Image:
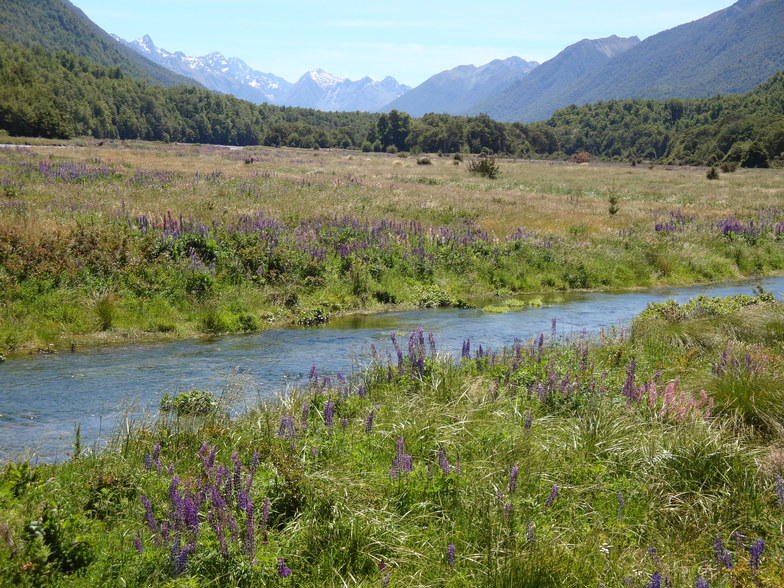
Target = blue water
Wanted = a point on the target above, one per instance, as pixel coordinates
(43, 398)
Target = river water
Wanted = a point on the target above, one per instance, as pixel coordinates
(44, 397)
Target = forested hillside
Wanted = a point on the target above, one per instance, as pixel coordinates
(58, 25)
(700, 131)
(60, 95)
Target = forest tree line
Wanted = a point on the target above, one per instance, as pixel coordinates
(60, 95)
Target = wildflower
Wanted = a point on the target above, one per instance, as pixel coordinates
(305, 415)
(283, 570)
(756, 554)
(701, 583)
(150, 518)
(286, 428)
(443, 462)
(529, 418)
(655, 580)
(513, 479)
(137, 543)
(329, 412)
(369, 423)
(402, 464)
(451, 557)
(552, 496)
(723, 557)
(530, 531)
(250, 534)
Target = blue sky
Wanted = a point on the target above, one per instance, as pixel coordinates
(409, 40)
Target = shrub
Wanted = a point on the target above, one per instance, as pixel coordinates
(712, 174)
(613, 201)
(423, 161)
(484, 166)
(582, 157)
(729, 166)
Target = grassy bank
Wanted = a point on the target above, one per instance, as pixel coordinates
(648, 457)
(126, 242)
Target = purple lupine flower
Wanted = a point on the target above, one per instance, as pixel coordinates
(305, 415)
(190, 515)
(451, 556)
(701, 583)
(402, 463)
(385, 580)
(529, 418)
(362, 391)
(286, 428)
(147, 461)
(629, 389)
(137, 543)
(443, 462)
(283, 570)
(369, 423)
(250, 531)
(150, 518)
(552, 496)
(329, 412)
(654, 556)
(756, 554)
(722, 555)
(466, 352)
(398, 352)
(530, 531)
(655, 580)
(513, 479)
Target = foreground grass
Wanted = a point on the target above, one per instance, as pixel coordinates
(636, 459)
(131, 241)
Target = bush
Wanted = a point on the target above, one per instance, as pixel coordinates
(484, 166)
(712, 174)
(582, 157)
(729, 166)
(423, 161)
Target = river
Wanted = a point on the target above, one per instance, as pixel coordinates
(44, 397)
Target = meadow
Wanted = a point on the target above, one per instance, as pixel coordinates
(649, 455)
(130, 241)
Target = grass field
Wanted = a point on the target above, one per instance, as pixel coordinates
(647, 457)
(135, 241)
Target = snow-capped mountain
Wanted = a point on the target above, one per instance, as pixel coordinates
(323, 91)
(216, 72)
(315, 89)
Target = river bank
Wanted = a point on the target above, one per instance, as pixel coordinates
(646, 454)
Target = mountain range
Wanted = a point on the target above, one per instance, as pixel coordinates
(455, 90)
(315, 89)
(729, 51)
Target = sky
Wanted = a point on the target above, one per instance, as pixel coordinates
(409, 40)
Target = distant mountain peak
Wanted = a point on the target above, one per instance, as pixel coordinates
(315, 88)
(454, 90)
